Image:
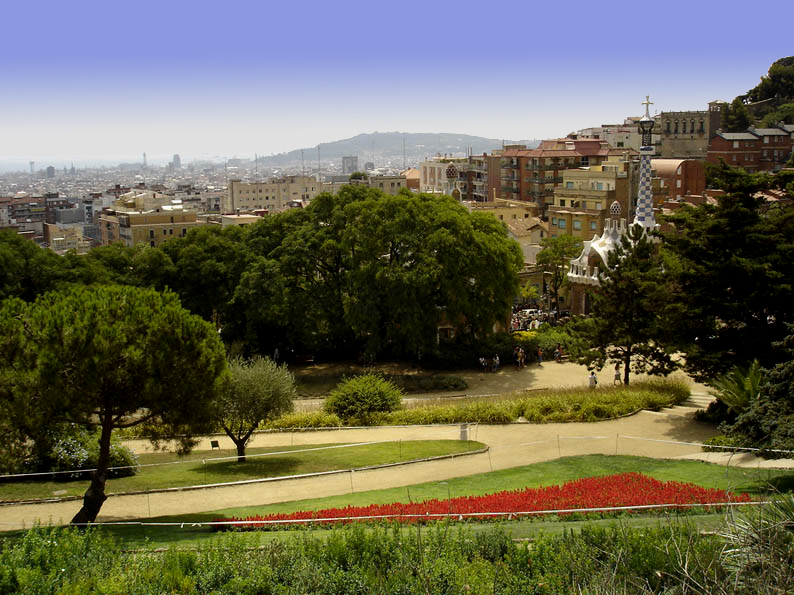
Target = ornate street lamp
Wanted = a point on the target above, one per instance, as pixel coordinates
(643, 213)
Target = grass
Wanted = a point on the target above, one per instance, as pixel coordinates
(754, 481)
(198, 469)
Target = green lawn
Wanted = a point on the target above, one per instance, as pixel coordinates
(197, 469)
(757, 482)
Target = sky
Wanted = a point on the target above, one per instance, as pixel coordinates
(109, 80)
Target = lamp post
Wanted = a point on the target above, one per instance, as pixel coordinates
(643, 213)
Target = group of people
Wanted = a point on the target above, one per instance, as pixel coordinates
(492, 364)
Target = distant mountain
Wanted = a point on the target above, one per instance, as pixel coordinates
(386, 148)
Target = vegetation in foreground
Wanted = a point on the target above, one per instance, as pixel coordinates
(752, 555)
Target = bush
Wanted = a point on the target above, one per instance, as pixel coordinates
(76, 448)
(359, 397)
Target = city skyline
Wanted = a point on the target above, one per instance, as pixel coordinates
(106, 82)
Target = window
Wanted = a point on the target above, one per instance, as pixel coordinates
(151, 233)
(592, 226)
(675, 128)
(692, 127)
(577, 224)
(678, 183)
(735, 145)
(554, 220)
(734, 157)
(184, 231)
(151, 243)
(171, 231)
(766, 140)
(561, 223)
(562, 202)
(165, 231)
(569, 185)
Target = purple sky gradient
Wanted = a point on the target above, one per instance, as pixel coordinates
(112, 79)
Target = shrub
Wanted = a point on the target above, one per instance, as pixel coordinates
(359, 397)
(76, 448)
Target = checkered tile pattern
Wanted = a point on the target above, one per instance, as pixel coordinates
(644, 211)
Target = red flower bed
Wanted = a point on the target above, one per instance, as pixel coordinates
(625, 489)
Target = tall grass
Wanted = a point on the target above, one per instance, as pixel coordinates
(550, 406)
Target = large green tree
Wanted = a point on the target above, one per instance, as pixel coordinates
(732, 267)
(554, 257)
(363, 272)
(257, 390)
(626, 325)
(108, 357)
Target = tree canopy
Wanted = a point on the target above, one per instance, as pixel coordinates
(735, 117)
(256, 390)
(554, 257)
(778, 83)
(732, 267)
(108, 357)
(365, 272)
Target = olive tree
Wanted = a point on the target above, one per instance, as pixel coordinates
(257, 389)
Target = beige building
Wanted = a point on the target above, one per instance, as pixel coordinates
(152, 227)
(273, 194)
(685, 135)
(583, 199)
(388, 184)
(62, 239)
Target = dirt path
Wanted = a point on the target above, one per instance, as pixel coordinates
(650, 434)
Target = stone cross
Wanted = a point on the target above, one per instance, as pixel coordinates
(647, 103)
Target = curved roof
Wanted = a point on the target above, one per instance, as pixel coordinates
(666, 167)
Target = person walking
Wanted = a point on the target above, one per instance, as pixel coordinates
(617, 379)
(496, 363)
(540, 356)
(593, 379)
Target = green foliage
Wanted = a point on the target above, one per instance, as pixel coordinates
(359, 397)
(626, 325)
(366, 273)
(554, 257)
(768, 420)
(784, 114)
(108, 357)
(571, 405)
(778, 84)
(257, 390)
(731, 268)
(735, 117)
(75, 447)
(27, 270)
(739, 387)
(753, 556)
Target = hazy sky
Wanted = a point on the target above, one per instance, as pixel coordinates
(113, 78)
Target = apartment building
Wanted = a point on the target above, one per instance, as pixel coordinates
(152, 227)
(585, 195)
(273, 194)
(756, 149)
(476, 178)
(673, 179)
(532, 175)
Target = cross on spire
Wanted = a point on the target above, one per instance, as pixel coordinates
(647, 103)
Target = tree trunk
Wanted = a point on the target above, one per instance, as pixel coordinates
(95, 494)
(626, 368)
(240, 444)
